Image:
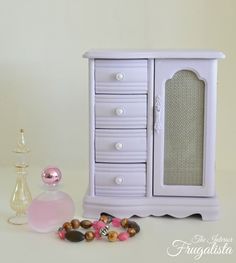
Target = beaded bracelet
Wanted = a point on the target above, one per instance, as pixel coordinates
(101, 229)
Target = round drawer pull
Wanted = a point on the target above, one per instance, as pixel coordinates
(119, 111)
(119, 180)
(119, 146)
(119, 76)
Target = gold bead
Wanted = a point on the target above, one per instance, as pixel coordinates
(124, 222)
(75, 223)
(86, 224)
(67, 226)
(131, 231)
(89, 236)
(112, 236)
(104, 219)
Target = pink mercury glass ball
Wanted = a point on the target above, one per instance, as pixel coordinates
(51, 175)
(52, 208)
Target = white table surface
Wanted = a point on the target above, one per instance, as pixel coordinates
(20, 244)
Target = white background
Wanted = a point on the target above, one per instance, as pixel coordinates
(44, 89)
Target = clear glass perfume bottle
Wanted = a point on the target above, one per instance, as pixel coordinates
(51, 208)
(21, 196)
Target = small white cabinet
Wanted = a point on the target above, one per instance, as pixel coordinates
(152, 133)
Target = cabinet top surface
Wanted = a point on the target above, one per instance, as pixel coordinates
(146, 54)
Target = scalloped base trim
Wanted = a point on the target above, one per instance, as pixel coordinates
(179, 207)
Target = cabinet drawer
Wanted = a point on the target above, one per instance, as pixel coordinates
(121, 146)
(120, 179)
(121, 76)
(121, 111)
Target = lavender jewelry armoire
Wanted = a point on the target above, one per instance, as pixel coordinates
(152, 133)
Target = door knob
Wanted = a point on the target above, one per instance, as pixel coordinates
(119, 180)
(119, 111)
(118, 146)
(119, 76)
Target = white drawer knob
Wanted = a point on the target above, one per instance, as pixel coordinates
(118, 146)
(119, 76)
(119, 180)
(119, 111)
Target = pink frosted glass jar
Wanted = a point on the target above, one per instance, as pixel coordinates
(51, 208)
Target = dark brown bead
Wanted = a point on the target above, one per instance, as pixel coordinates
(74, 236)
(89, 236)
(86, 224)
(75, 223)
(132, 224)
(67, 226)
(131, 231)
(124, 222)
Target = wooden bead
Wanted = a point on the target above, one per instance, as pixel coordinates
(124, 222)
(75, 223)
(89, 236)
(112, 236)
(131, 231)
(86, 224)
(67, 226)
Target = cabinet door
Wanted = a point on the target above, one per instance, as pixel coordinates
(184, 127)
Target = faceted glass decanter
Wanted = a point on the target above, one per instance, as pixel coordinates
(21, 196)
(51, 208)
